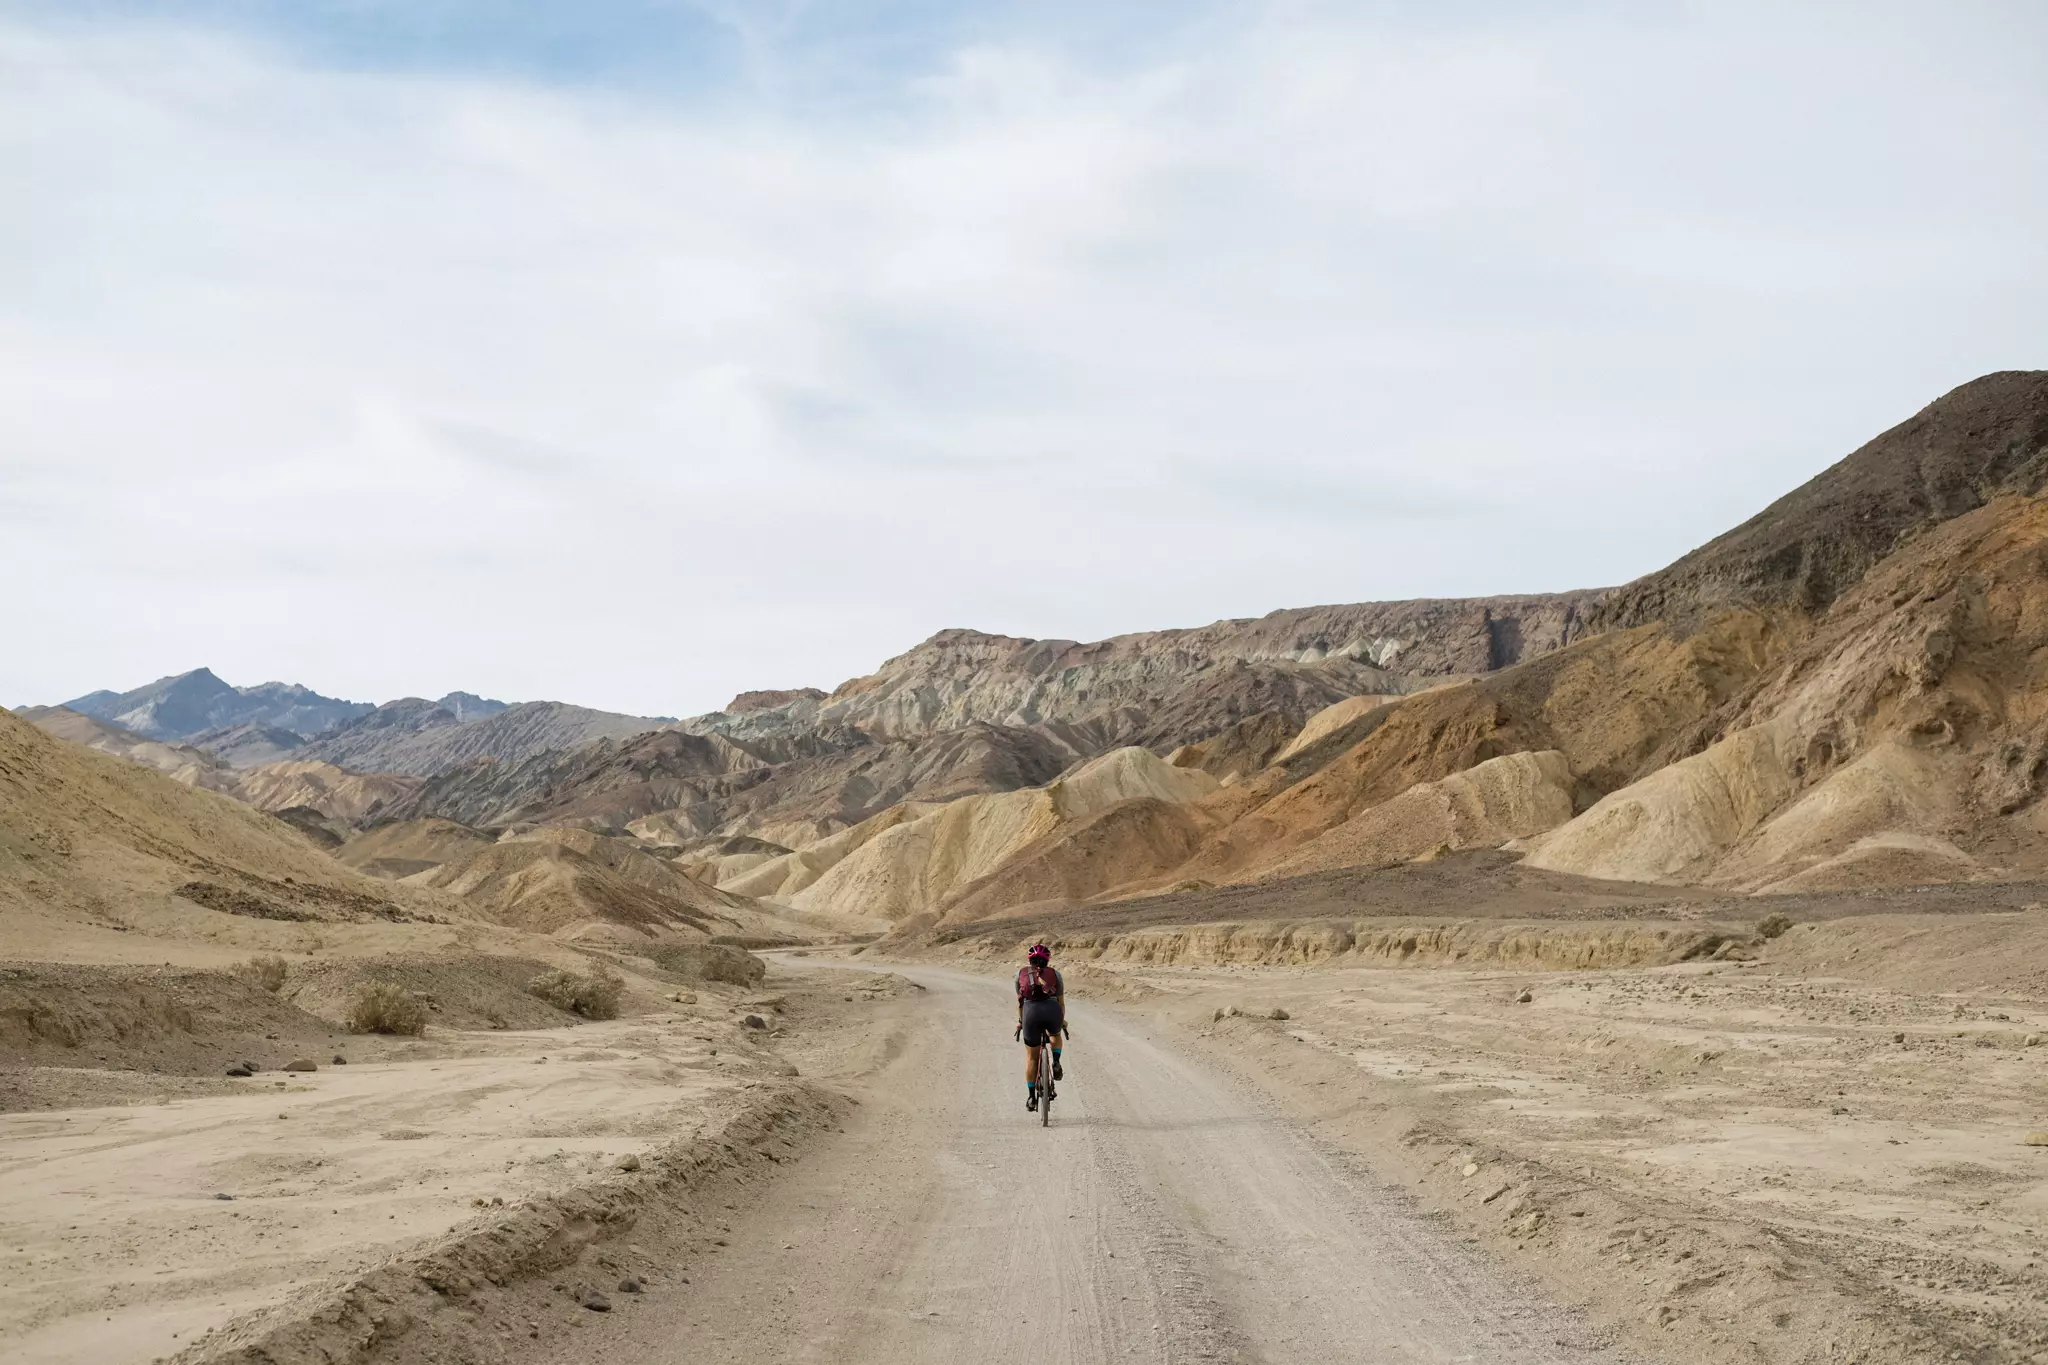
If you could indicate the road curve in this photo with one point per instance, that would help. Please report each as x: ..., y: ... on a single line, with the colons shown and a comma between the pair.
x: 1162, y: 1218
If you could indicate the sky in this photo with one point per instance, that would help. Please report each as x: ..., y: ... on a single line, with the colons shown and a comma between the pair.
x: 637, y: 352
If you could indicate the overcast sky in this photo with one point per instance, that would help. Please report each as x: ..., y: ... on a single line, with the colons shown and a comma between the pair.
x: 634, y: 353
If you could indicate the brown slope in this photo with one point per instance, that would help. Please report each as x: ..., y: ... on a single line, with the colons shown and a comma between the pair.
x: 404, y: 848
x: 1988, y: 437
x: 186, y: 763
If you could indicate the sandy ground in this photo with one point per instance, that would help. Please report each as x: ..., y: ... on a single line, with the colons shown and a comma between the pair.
x: 1162, y: 1217
x: 117, y: 1245
x: 1724, y: 1161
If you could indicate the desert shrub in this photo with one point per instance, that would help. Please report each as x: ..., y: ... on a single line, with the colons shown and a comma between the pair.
x: 382, y: 1007
x: 595, y: 996
x: 268, y: 971
x: 1773, y: 924
x: 711, y: 962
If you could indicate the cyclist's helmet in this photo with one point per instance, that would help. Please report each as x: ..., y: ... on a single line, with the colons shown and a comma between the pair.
x: 1039, y: 953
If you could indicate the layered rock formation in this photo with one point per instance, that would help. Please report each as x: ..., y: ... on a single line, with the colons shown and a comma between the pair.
x: 422, y: 738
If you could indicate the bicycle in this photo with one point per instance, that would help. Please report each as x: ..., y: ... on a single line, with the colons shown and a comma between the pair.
x: 1047, y: 1090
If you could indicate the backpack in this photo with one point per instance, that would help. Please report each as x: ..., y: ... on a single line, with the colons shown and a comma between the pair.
x: 1032, y: 983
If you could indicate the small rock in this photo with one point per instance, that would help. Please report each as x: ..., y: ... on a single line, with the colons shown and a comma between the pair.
x: 238, y: 1071
x: 1524, y: 998
x: 339, y: 1060
x: 1898, y: 1037
x: 629, y: 1162
x: 629, y: 1285
x: 223, y: 1196
x: 1220, y: 1015
x: 1471, y: 1168
x: 271, y: 1036
x: 302, y: 1064
x: 2037, y: 1138
x: 1497, y: 1193
x: 2032, y: 1040
x: 1277, y: 1013
x: 251, y: 1067
x: 595, y: 1301
x: 753, y: 1021
x: 1839, y: 1109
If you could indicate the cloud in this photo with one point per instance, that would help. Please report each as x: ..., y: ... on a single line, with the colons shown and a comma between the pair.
x: 407, y: 363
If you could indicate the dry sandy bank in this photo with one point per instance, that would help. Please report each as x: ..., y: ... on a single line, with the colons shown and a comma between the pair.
x: 1822, y: 1156
x: 118, y: 1244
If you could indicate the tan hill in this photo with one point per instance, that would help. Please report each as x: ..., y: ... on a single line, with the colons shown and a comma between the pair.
x: 915, y: 865
x: 94, y: 848
x: 336, y: 792
x: 1483, y: 806
x: 580, y: 885
x: 403, y: 848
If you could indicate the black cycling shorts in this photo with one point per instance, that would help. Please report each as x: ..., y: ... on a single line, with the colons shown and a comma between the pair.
x: 1042, y: 1020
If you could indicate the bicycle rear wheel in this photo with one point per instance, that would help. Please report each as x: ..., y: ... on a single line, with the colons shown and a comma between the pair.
x: 1045, y: 1089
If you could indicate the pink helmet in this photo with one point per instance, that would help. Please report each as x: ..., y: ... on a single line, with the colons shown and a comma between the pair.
x: 1039, y: 953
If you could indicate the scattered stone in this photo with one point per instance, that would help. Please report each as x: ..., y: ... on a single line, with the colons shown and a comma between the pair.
x: 1525, y: 997
x: 223, y: 1196
x: 238, y: 1071
x: 1898, y: 1037
x: 1277, y: 1013
x: 753, y: 1021
x: 302, y: 1064
x: 1839, y: 1109
x: 340, y: 1060
x: 1503, y: 1190
x: 595, y: 1301
x: 2037, y: 1138
x: 251, y: 1067
x: 1220, y: 1015
x: 2032, y: 1040
x: 629, y: 1162
x: 629, y: 1285
x: 1471, y: 1168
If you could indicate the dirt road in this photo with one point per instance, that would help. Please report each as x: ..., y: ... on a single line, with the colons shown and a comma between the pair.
x: 1162, y: 1217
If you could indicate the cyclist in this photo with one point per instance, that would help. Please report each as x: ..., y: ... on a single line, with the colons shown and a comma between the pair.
x: 1041, y: 1014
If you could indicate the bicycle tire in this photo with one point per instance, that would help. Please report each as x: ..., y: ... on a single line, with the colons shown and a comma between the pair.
x: 1045, y: 1087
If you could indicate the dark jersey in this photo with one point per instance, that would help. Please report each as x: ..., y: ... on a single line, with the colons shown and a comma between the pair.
x: 1039, y: 983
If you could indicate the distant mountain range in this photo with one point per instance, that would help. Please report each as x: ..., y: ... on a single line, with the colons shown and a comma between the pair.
x: 187, y: 705
x: 244, y: 727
